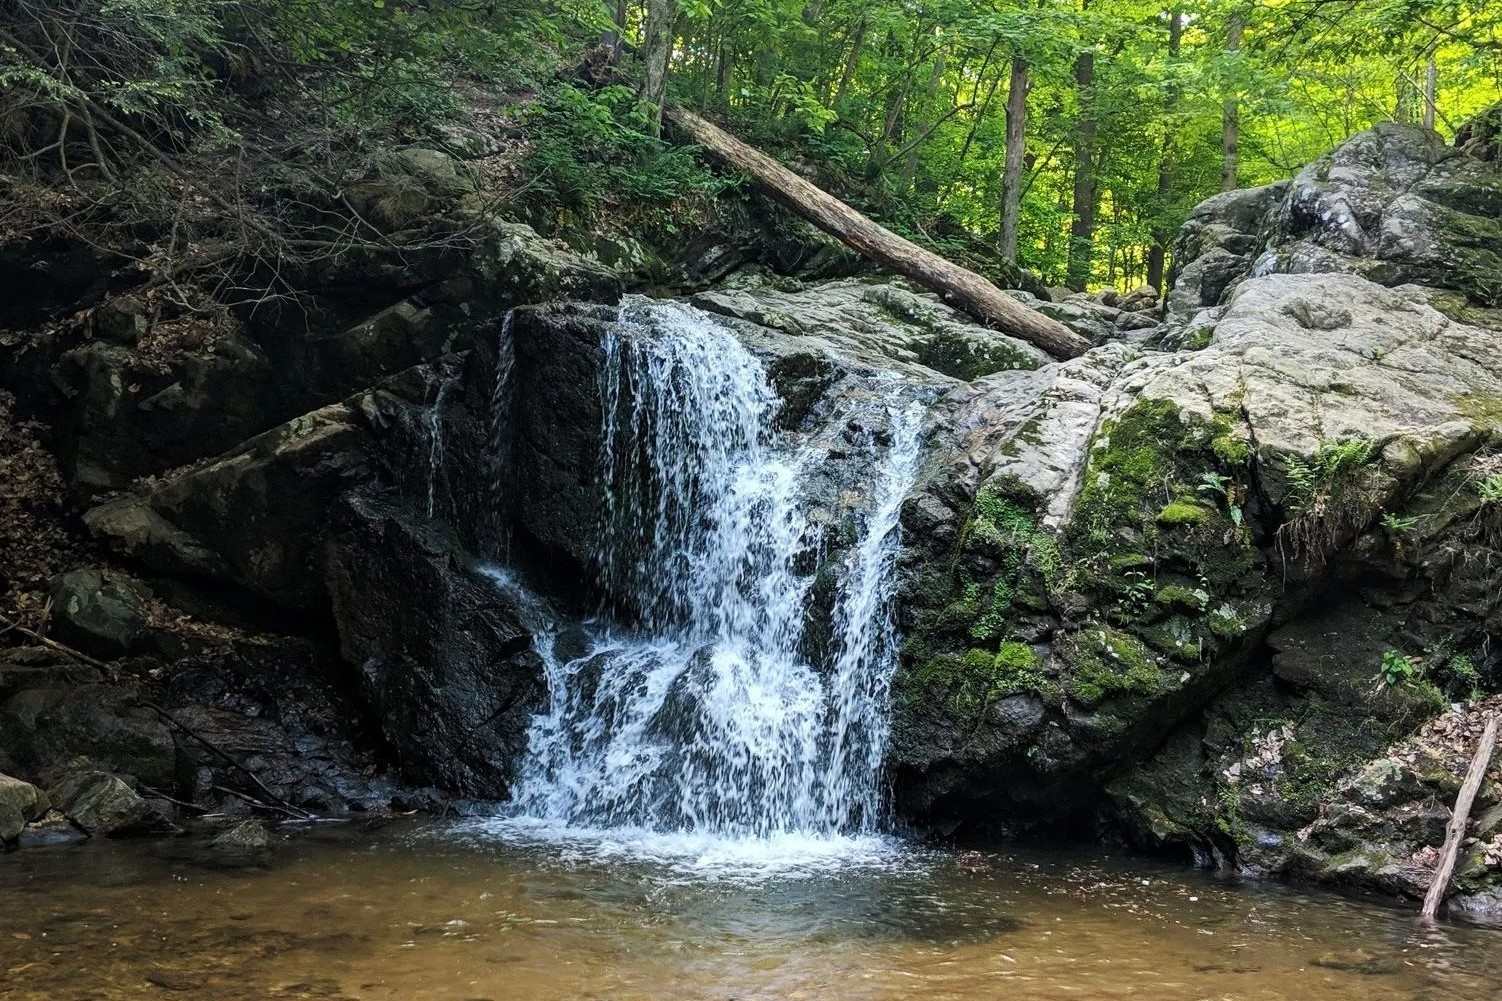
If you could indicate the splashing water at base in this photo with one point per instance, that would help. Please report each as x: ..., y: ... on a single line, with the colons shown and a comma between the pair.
x: 705, y: 732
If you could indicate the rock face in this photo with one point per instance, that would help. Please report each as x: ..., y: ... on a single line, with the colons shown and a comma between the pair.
x: 1194, y: 595
x: 1210, y: 589
x: 143, y: 396
x: 444, y: 648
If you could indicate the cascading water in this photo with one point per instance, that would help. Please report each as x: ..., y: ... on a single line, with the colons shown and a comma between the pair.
x: 708, y: 715
x: 434, y: 421
x: 499, y: 434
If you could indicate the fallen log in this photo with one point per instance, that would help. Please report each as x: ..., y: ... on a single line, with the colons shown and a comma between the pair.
x: 966, y: 289
x: 1459, y: 818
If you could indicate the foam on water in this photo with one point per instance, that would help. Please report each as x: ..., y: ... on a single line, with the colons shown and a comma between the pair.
x: 700, y: 856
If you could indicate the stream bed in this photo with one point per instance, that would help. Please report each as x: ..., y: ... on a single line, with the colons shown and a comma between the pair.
x: 422, y: 910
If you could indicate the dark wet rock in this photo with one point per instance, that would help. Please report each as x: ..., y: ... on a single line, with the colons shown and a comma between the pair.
x: 100, y: 803
x: 130, y: 415
x: 45, y: 728
x: 444, y: 649
x: 50, y: 830
x: 40, y: 667
x: 98, y: 611
x: 251, y: 517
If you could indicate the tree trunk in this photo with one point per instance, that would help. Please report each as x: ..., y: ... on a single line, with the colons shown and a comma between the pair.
x: 1230, y: 116
x: 1162, y: 234
x: 1431, y: 83
x: 1082, y: 229
x: 615, y: 37
x: 1455, y: 830
x: 910, y: 159
x: 657, y: 51
x: 852, y: 63
x: 1011, y: 175
x: 966, y: 289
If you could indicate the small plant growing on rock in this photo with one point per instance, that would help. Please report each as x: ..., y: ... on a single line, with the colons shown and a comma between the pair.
x: 1490, y: 489
x: 1397, y: 670
x: 1213, y: 484
x: 1327, y: 495
x: 1395, y: 524
x: 1462, y: 678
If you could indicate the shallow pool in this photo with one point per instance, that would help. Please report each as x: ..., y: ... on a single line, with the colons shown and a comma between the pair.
x: 425, y: 910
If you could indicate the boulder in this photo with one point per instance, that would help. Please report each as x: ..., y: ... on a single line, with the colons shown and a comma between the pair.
x: 100, y: 803
x: 444, y: 648
x: 130, y: 415
x: 250, y: 517
x: 248, y: 837
x: 45, y: 728
x: 1114, y: 536
x: 1215, y: 246
x: 1395, y: 205
x: 98, y: 611
x: 20, y: 804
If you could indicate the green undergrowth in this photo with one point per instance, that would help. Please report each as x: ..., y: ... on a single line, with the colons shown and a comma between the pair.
x: 1330, y: 494
x: 592, y: 156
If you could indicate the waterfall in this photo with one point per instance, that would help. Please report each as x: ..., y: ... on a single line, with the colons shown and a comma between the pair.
x: 707, y: 714
x: 499, y: 436
x: 434, y: 421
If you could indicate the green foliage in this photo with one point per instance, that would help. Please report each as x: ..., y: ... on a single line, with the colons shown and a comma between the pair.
x: 1461, y: 678
x: 1397, y: 525
x: 1329, y: 494
x: 1315, y: 482
x: 901, y: 107
x: 1397, y: 670
x: 594, y: 151
x: 1489, y: 489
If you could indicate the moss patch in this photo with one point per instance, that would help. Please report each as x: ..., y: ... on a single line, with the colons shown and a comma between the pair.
x: 1184, y: 512
x: 1106, y: 663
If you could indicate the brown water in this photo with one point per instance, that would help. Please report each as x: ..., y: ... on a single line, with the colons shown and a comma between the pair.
x: 419, y: 911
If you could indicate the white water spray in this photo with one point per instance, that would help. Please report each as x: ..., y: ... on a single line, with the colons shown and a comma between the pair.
x: 708, y: 717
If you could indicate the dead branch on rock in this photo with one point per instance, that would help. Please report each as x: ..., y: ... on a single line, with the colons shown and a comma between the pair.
x: 1459, y: 818
x: 6, y: 626
x: 277, y: 803
x: 965, y: 288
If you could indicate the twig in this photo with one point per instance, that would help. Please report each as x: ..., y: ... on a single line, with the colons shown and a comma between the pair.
x: 185, y: 804
x: 1459, y: 817
x: 292, y: 812
x: 55, y: 645
x: 284, y: 807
